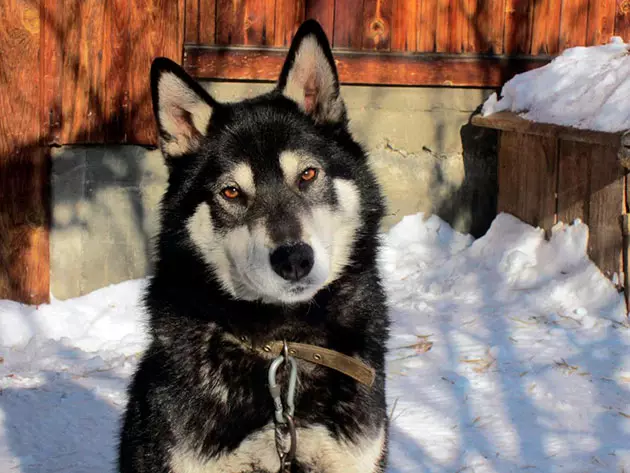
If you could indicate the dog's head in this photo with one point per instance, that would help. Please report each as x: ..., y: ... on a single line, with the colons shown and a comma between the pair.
x: 264, y: 190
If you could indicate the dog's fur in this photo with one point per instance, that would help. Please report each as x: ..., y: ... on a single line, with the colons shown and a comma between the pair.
x: 199, y: 401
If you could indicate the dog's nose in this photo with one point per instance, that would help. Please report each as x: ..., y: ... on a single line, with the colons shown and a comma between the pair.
x: 292, y: 262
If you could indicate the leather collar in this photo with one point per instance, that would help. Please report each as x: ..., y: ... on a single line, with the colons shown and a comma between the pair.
x: 348, y: 365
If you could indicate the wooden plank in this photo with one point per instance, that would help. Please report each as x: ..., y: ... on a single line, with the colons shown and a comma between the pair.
x: 324, y: 12
x: 601, y: 21
x: 573, y: 180
x: 509, y: 121
x: 442, y: 26
x: 518, y: 26
x: 191, y: 25
x: 458, y: 23
x: 573, y: 23
x: 289, y: 16
x: 230, y: 22
x: 264, y: 64
x: 116, y: 59
x: 404, y: 14
x: 24, y: 162
x: 51, y: 68
x: 605, y: 208
x: 348, y: 27
x: 83, y: 96
x: 207, y: 21
x: 259, y: 23
x: 622, y: 19
x: 527, y: 183
x: 377, y: 25
x: 489, y: 24
x: 427, y: 25
x: 156, y: 29
x: 546, y: 27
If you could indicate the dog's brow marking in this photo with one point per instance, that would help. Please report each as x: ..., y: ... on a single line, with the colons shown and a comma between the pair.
x: 244, y: 177
x: 290, y: 165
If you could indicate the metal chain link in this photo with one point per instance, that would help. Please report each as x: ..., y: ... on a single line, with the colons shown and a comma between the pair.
x: 284, y: 419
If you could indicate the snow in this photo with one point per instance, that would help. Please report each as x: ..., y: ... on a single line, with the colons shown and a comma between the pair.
x: 509, y: 353
x: 584, y: 87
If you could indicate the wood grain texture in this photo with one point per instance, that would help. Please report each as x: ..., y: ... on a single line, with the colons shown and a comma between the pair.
x: 442, y: 32
x: 488, y: 26
x: 546, y: 27
x: 404, y: 31
x: 573, y: 23
x: 573, y: 180
x: 527, y: 177
x: 156, y: 29
x: 24, y: 161
x: 427, y: 26
x: 324, y: 12
x: 601, y: 21
x: 622, y: 19
x: 376, y: 69
x: 509, y: 121
x: 230, y: 22
x: 289, y: 16
x: 348, y: 24
x: 606, y: 205
x: 377, y: 25
x: 116, y: 62
x: 207, y: 21
x: 191, y: 25
x: 518, y: 26
x: 51, y: 46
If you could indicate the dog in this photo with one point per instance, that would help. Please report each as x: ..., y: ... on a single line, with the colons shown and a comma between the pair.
x: 267, y: 251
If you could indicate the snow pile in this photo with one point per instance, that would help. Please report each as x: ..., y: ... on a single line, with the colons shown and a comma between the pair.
x: 584, y: 87
x: 508, y: 353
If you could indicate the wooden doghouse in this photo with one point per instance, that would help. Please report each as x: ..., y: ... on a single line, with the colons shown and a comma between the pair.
x: 550, y: 173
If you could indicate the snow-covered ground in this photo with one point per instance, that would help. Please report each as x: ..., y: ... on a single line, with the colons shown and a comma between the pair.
x: 584, y: 87
x: 508, y: 354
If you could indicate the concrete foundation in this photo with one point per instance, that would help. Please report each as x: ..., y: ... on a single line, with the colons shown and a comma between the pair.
x: 425, y: 154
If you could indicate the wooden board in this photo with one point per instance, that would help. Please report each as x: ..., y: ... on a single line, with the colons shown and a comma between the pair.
x: 377, y: 25
x: 289, y: 15
x: 404, y: 15
x: 601, y: 21
x: 518, y: 26
x: 348, y: 27
x: 488, y: 26
x: 573, y: 180
x: 427, y: 25
x: 265, y: 64
x: 546, y: 27
x: 606, y: 205
x: 622, y: 19
x: 573, y: 23
x: 24, y: 162
x: 200, y: 22
x: 527, y: 176
x: 508, y: 121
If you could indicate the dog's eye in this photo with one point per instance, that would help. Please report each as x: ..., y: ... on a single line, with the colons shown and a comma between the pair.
x: 230, y: 192
x: 308, y: 175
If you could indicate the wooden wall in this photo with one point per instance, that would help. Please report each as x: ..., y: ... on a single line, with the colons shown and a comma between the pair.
x: 76, y: 71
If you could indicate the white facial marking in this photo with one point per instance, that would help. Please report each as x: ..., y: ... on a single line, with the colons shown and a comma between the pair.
x: 316, y: 449
x: 182, y: 113
x: 290, y: 163
x: 244, y: 178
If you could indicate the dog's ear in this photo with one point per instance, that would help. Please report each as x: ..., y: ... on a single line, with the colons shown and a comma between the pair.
x: 182, y: 108
x: 309, y: 76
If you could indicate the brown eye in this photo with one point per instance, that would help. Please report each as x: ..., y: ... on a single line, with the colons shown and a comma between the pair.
x: 308, y: 175
x: 230, y: 192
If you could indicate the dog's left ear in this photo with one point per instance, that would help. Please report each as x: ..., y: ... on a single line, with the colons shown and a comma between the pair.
x: 309, y: 76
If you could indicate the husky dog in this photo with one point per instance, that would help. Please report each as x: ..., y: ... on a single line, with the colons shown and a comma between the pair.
x: 269, y: 231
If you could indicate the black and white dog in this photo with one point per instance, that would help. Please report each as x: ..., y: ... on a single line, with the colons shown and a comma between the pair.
x: 269, y: 232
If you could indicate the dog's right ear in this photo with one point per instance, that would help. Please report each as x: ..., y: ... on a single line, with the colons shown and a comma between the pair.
x: 182, y: 108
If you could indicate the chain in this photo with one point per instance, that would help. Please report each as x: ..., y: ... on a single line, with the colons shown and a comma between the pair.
x: 284, y: 418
